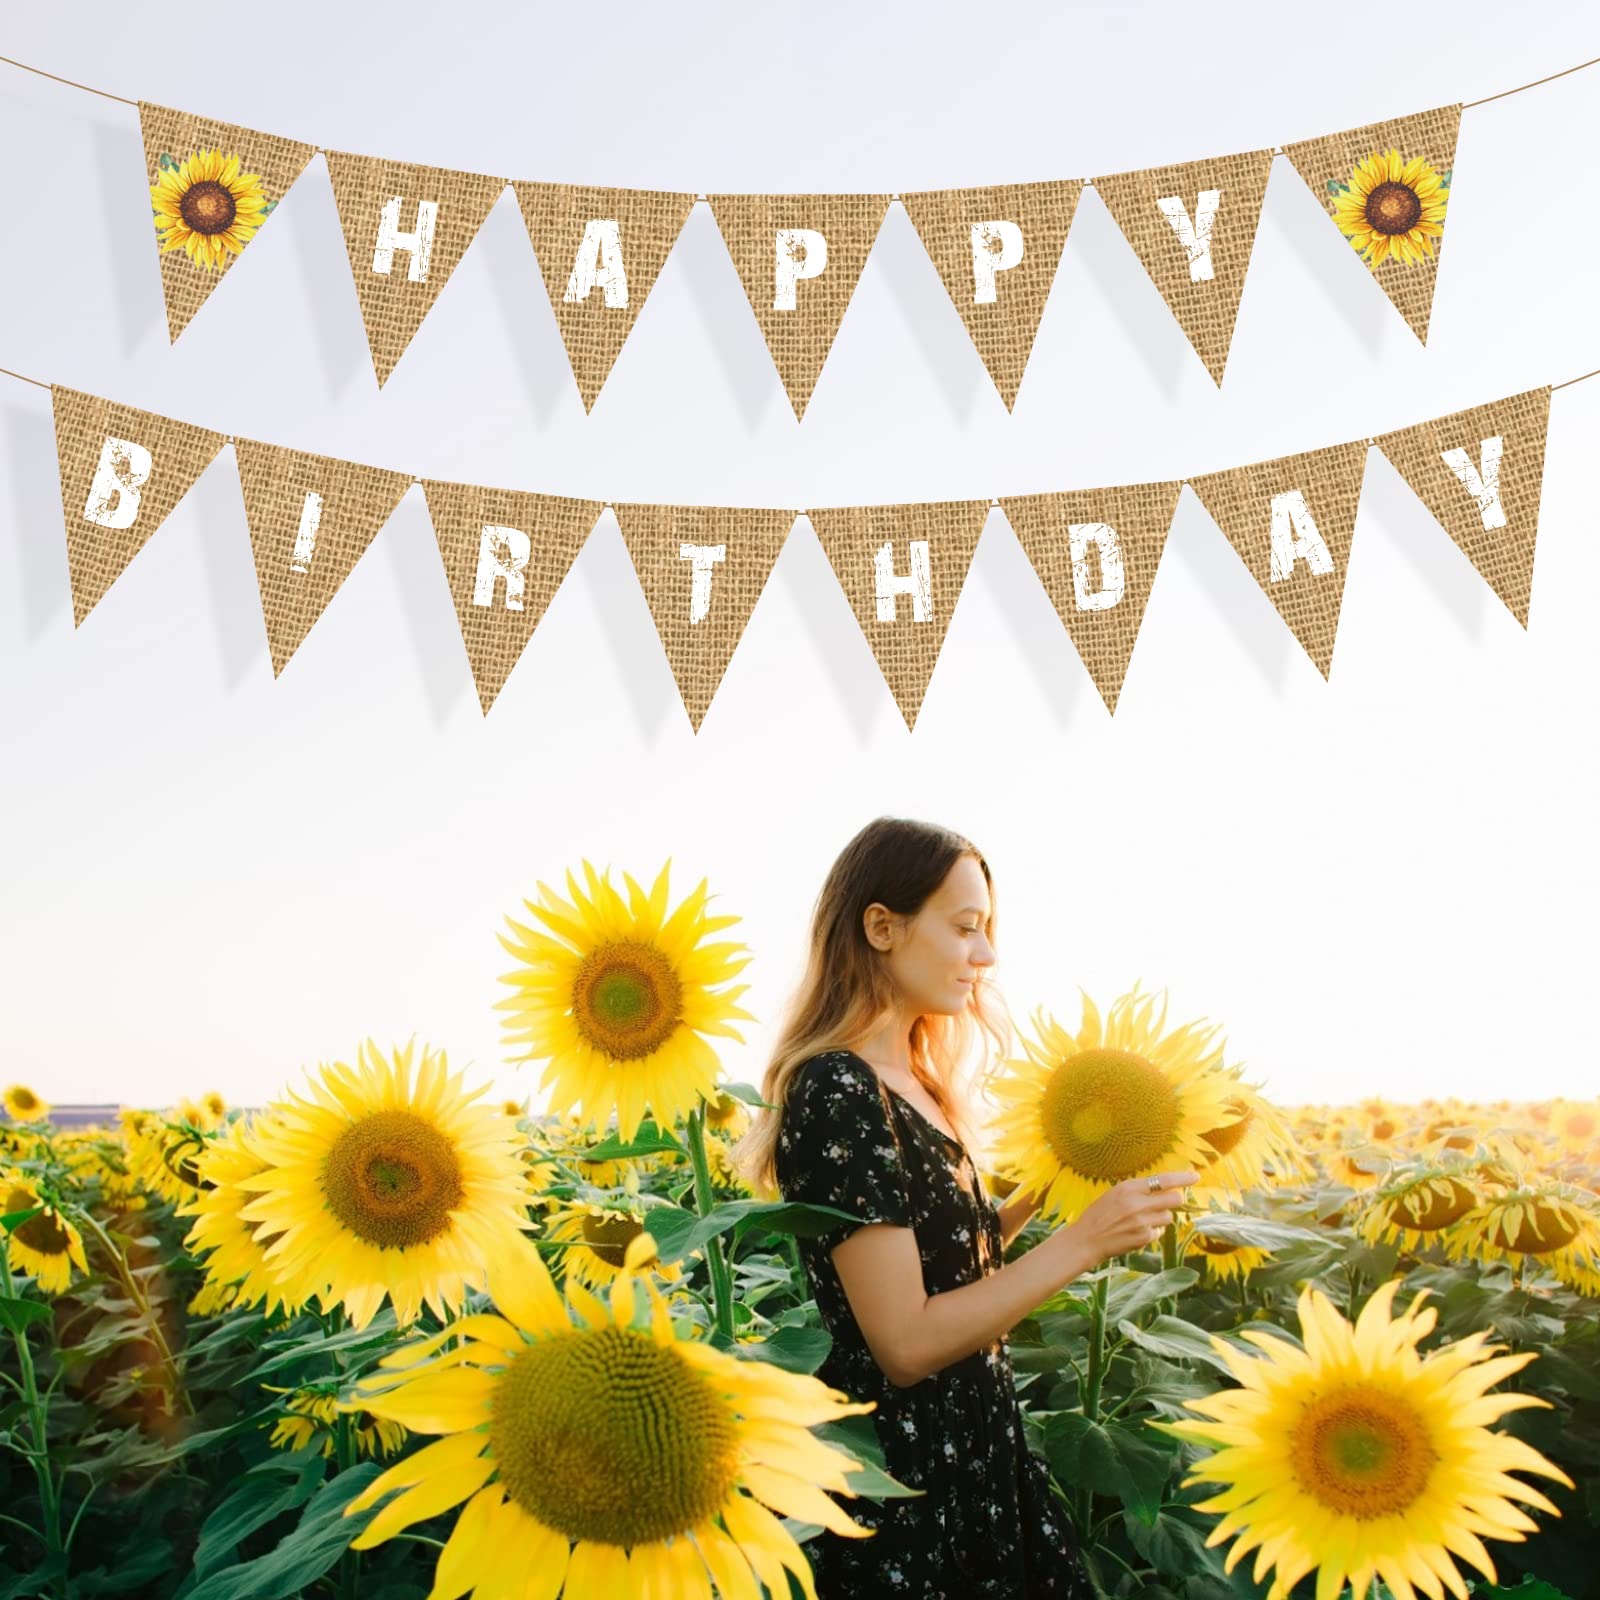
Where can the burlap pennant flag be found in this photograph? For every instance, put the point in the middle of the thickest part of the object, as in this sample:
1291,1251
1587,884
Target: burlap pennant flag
311,519
1386,187
1292,520
505,554
601,251
1481,473
212,188
1096,552
1194,227
902,569
122,472
799,257
702,569
997,251
405,230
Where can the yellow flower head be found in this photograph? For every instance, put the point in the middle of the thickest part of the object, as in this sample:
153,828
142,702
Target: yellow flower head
23,1105
388,1182
207,208
312,1413
1545,1223
1418,1207
619,997
47,1246
1121,1100
1360,1457
1393,209
597,1238
614,1459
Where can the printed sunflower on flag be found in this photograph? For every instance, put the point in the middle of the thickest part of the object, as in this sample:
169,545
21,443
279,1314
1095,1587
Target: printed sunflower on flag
1392,208
207,207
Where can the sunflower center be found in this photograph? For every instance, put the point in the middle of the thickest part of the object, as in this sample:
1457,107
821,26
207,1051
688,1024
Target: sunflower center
1543,1230
1428,1209
1393,208
44,1232
1581,1125
1108,1114
1225,1139
392,1179
722,1110
24,1099
604,1434
207,207
1362,1452
626,1001
608,1236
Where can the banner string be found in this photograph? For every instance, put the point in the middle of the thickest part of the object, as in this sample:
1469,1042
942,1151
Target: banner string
1088,183
993,502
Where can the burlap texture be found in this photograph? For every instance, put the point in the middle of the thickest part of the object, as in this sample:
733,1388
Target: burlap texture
648,224
392,305
751,539
1206,308
1331,159
1240,502
1141,514
356,502
275,162
557,528
1503,555
180,452
1004,328
799,340
906,649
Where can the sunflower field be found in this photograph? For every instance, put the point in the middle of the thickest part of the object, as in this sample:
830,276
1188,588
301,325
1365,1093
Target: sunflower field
389,1336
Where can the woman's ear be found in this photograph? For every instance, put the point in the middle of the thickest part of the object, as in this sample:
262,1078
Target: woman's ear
877,922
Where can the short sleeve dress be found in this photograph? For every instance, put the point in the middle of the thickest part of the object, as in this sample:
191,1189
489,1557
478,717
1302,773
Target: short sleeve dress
988,1524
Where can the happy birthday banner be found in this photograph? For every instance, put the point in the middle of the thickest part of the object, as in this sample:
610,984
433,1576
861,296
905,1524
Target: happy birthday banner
214,185
702,568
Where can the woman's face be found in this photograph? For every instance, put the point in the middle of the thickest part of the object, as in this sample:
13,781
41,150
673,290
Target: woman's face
935,956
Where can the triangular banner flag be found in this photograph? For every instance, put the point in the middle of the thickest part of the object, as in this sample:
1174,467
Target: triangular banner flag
122,472
702,569
997,251
799,257
212,188
601,251
311,519
1386,187
505,553
1096,552
1481,473
902,569
1194,227
1292,521
405,230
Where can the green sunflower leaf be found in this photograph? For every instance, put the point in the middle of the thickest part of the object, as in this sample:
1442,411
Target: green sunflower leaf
17,1314
13,1220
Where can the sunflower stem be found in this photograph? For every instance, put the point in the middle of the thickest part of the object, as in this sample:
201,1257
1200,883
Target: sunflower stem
1090,1389
344,1445
39,1455
1169,1260
716,1261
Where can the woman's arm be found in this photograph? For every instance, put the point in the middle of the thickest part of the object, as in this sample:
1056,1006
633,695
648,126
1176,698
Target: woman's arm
911,1333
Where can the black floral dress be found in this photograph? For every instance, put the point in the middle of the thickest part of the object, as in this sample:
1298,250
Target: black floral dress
987,1525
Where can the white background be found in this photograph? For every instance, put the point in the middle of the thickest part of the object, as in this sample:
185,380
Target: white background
1383,883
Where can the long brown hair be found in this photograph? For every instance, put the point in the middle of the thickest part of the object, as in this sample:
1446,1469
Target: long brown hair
846,989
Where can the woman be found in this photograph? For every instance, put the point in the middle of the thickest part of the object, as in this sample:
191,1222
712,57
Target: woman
917,1297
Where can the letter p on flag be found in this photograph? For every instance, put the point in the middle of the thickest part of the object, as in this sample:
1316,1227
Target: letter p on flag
802,253
996,247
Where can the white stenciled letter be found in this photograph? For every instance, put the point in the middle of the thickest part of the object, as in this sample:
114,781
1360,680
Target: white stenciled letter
122,471
802,253
305,539
918,583
419,242
1104,538
1195,237
1482,483
704,557
502,553
996,246
599,262
1295,534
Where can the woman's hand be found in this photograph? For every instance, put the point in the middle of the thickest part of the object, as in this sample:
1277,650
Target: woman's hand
1128,1216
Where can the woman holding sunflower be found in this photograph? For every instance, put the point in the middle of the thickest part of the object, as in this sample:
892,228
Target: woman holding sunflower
916,1296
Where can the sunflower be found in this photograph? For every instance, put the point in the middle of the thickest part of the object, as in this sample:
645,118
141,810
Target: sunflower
1392,208
23,1105
1254,1138
1220,1259
1119,1101
1576,1125
1415,1209
238,1273
1555,1225
379,1185
611,1459
1362,1457
619,996
311,1413
1359,1168
46,1246
207,208
596,1239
